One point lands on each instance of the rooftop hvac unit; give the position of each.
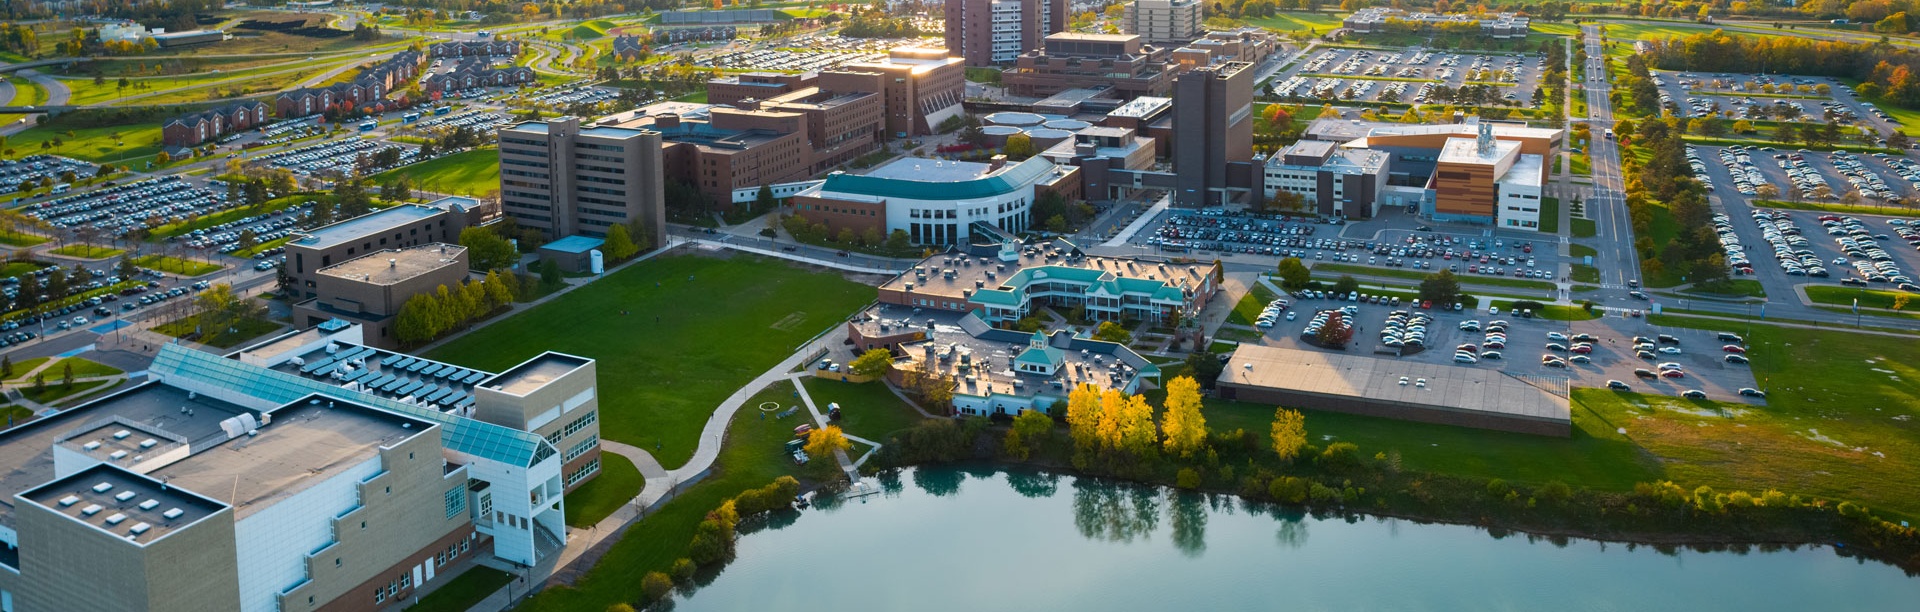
(148, 443)
(236, 425)
(69, 500)
(116, 519)
(149, 504)
(103, 487)
(90, 510)
(95, 445)
(332, 348)
(297, 361)
(139, 528)
(173, 513)
(122, 434)
(124, 496)
(117, 455)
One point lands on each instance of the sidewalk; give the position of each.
(1152, 212)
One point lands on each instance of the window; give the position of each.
(486, 504)
(456, 501)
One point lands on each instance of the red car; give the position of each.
(1829, 217)
(1582, 348)
(1731, 348)
(1673, 374)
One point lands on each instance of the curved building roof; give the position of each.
(931, 179)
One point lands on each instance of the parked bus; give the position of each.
(443, 110)
(368, 125)
(410, 118)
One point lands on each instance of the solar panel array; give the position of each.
(443, 386)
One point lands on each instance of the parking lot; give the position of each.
(1698, 94)
(1412, 75)
(1388, 242)
(809, 53)
(1519, 349)
(1786, 247)
(121, 208)
(39, 168)
(338, 156)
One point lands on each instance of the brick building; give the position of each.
(196, 128)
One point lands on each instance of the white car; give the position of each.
(1670, 350)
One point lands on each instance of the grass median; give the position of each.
(1465, 279)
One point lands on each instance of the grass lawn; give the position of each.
(1626, 33)
(752, 457)
(1585, 228)
(264, 246)
(1494, 281)
(698, 97)
(15, 415)
(16, 268)
(1582, 165)
(1250, 305)
(94, 144)
(175, 265)
(21, 368)
(55, 391)
(1323, 22)
(470, 173)
(1549, 215)
(1662, 229)
(619, 481)
(1853, 209)
(87, 251)
(82, 368)
(1844, 296)
(21, 239)
(463, 591)
(1736, 287)
(1585, 288)
(227, 338)
(867, 410)
(1583, 273)
(676, 363)
(170, 230)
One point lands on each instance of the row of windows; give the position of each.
(604, 158)
(937, 303)
(453, 551)
(524, 152)
(932, 214)
(516, 162)
(601, 211)
(586, 469)
(602, 190)
(538, 175)
(456, 500)
(522, 141)
(581, 423)
(600, 147)
(514, 183)
(529, 217)
(580, 449)
(529, 195)
(595, 179)
(605, 169)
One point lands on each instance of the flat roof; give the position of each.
(26, 451)
(1525, 171)
(364, 225)
(389, 266)
(1142, 107)
(575, 244)
(1092, 37)
(934, 170)
(99, 496)
(973, 275)
(980, 358)
(305, 443)
(1449, 387)
(1467, 151)
(534, 373)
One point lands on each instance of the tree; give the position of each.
(873, 363)
(1440, 288)
(1766, 192)
(1346, 284)
(1205, 367)
(1019, 146)
(550, 273)
(1289, 433)
(823, 441)
(1294, 275)
(1899, 140)
(486, 250)
(1083, 418)
(656, 584)
(899, 240)
(6, 367)
(397, 191)
(1335, 332)
(1110, 331)
(1185, 427)
(764, 200)
(1029, 433)
(1138, 436)
(620, 244)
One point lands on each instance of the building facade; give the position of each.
(1331, 179)
(567, 180)
(196, 128)
(988, 32)
(934, 201)
(1012, 283)
(1213, 133)
(370, 289)
(1163, 21)
(1124, 63)
(917, 87)
(400, 227)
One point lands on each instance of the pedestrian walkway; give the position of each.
(1140, 223)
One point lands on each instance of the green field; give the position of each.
(82, 368)
(220, 338)
(1585, 228)
(1495, 281)
(1626, 33)
(675, 363)
(1869, 298)
(176, 266)
(20, 368)
(87, 251)
(469, 173)
(1855, 209)
(619, 481)
(1322, 22)
(20, 239)
(464, 591)
(94, 144)
(1550, 215)
(1249, 306)
(54, 391)
(14, 415)
(16, 268)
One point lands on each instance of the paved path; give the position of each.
(1120, 239)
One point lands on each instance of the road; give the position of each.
(1608, 204)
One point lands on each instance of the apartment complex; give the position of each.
(267, 480)
(476, 48)
(937, 202)
(367, 89)
(196, 128)
(1125, 64)
(1163, 21)
(988, 32)
(1382, 20)
(474, 72)
(1213, 133)
(567, 180)
(400, 227)
(370, 289)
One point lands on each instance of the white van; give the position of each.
(62, 188)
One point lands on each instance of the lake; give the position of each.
(942, 538)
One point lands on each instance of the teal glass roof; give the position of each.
(1018, 176)
(478, 438)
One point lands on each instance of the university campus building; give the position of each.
(1471, 171)
(565, 179)
(988, 32)
(1008, 281)
(937, 201)
(308, 472)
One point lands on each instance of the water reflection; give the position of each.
(939, 482)
(1187, 513)
(1033, 484)
(1105, 510)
